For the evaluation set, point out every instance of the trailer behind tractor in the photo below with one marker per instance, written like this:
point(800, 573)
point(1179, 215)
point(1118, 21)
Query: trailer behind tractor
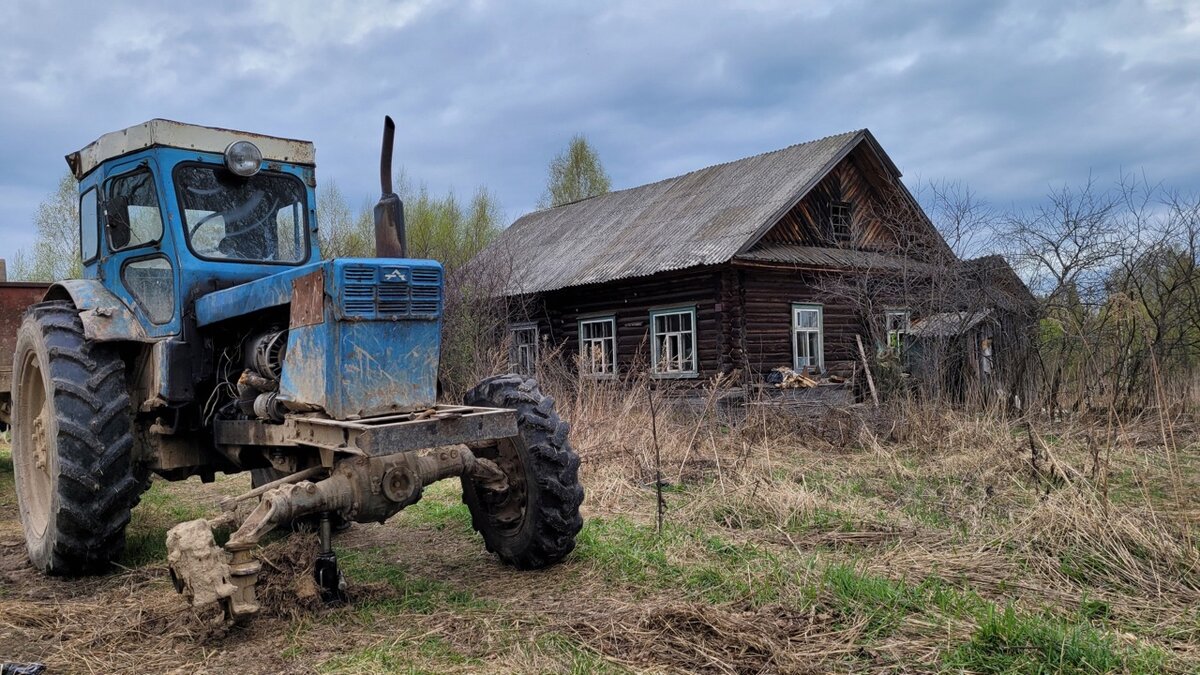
point(208, 335)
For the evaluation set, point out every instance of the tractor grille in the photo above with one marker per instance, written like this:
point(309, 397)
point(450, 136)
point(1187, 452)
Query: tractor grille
point(391, 291)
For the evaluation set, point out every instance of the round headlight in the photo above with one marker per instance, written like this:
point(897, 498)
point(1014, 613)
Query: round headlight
point(243, 158)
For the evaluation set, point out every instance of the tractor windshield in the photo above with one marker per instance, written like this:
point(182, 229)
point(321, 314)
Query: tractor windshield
point(256, 219)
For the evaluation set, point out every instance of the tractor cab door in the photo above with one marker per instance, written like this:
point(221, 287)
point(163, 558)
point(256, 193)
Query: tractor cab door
point(137, 262)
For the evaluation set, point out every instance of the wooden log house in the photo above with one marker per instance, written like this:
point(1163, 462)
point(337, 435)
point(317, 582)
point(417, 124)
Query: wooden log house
point(743, 266)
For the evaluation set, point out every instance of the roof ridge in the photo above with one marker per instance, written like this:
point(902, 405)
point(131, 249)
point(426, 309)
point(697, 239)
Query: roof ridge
point(693, 171)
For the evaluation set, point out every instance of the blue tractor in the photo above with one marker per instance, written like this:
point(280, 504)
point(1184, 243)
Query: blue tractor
point(208, 334)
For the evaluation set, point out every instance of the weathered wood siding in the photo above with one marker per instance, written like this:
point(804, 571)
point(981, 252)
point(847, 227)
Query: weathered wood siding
point(769, 296)
point(630, 302)
point(743, 317)
point(876, 208)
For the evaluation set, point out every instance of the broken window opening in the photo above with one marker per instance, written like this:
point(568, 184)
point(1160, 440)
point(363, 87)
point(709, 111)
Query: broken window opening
point(523, 353)
point(839, 221)
point(897, 323)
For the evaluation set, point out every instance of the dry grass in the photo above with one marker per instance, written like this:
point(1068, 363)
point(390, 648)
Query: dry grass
point(849, 540)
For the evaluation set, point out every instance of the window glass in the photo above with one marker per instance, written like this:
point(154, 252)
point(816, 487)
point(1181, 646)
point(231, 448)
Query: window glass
point(897, 323)
point(256, 219)
point(839, 221)
point(673, 342)
point(132, 216)
point(89, 240)
point(523, 356)
point(597, 346)
point(152, 284)
point(807, 338)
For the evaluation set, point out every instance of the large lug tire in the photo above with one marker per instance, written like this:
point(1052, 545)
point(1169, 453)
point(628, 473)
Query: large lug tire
point(72, 444)
point(534, 523)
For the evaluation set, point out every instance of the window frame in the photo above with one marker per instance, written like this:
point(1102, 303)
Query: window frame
point(138, 300)
point(690, 311)
point(307, 228)
point(97, 236)
point(611, 320)
point(798, 307)
point(142, 167)
point(515, 350)
point(841, 215)
point(888, 331)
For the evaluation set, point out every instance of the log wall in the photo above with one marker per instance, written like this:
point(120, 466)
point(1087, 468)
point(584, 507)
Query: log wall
point(630, 302)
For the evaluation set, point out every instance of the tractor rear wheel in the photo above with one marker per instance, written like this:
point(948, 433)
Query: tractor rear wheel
point(532, 524)
point(72, 443)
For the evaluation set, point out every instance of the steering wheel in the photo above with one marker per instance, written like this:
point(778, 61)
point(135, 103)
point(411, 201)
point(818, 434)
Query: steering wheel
point(250, 206)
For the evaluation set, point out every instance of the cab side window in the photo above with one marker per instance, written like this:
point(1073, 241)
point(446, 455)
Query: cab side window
point(132, 215)
point(89, 240)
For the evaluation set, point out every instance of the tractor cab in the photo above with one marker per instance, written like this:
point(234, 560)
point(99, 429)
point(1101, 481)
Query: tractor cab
point(169, 212)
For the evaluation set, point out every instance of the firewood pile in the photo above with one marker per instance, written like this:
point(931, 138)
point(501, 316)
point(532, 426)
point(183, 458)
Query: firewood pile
point(790, 379)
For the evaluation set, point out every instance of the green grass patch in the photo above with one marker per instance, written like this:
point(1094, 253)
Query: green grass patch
point(8, 490)
point(745, 517)
point(440, 508)
point(885, 603)
point(709, 567)
point(1004, 640)
point(573, 657)
point(158, 511)
point(1008, 641)
point(432, 654)
point(412, 594)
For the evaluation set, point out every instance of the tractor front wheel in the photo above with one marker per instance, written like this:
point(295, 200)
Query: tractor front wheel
point(533, 523)
point(72, 443)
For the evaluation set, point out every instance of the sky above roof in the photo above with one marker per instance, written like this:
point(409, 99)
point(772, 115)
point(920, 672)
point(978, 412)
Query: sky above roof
point(1013, 99)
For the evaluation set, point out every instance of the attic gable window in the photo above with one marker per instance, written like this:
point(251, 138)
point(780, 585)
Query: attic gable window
point(523, 350)
point(839, 221)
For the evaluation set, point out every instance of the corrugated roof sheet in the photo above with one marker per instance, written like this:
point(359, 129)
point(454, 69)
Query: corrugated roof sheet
point(834, 258)
point(701, 218)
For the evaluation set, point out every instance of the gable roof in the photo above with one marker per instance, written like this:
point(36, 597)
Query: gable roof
point(705, 217)
point(1000, 283)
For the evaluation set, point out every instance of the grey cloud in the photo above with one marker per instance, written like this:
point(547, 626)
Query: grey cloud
point(1012, 98)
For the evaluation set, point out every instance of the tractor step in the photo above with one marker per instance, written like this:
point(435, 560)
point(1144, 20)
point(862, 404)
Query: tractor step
point(375, 436)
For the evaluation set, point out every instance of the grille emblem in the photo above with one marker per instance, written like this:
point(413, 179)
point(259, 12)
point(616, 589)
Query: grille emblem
point(395, 276)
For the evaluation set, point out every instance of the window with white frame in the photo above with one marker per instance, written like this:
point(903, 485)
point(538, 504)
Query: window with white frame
point(598, 346)
point(807, 341)
point(523, 354)
point(673, 342)
point(896, 324)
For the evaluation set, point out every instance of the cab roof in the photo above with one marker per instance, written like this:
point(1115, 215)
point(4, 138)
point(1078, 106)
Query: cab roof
point(160, 132)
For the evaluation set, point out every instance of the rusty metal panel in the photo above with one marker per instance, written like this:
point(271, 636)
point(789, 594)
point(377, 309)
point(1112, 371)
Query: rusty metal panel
point(14, 298)
point(701, 218)
point(385, 435)
point(308, 300)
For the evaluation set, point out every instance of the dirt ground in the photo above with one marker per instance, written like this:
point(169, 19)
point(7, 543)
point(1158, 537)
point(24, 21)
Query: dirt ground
point(930, 549)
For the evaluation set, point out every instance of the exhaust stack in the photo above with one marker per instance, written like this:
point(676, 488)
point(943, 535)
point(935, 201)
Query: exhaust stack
point(390, 240)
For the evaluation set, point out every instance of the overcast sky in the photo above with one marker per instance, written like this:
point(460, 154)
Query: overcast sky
point(1011, 97)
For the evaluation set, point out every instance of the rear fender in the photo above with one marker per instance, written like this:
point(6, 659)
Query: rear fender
point(105, 317)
